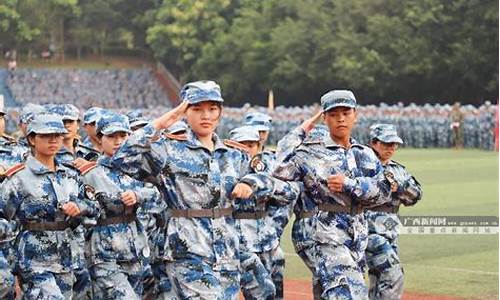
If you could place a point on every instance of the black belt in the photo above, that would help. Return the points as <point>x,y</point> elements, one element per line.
<point>385,208</point>
<point>202,213</point>
<point>125,219</point>
<point>250,215</point>
<point>47,226</point>
<point>337,208</point>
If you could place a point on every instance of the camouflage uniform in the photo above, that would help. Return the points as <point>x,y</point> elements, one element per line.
<point>339,227</point>
<point>202,255</point>
<point>305,207</point>
<point>82,287</point>
<point>32,195</point>
<point>382,255</point>
<point>278,214</point>
<point>118,243</point>
<point>257,235</point>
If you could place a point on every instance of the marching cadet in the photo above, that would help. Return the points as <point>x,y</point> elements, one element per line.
<point>118,244</point>
<point>279,214</point>
<point>340,176</point>
<point>305,208</point>
<point>69,154</point>
<point>202,259</point>
<point>382,255</point>
<point>257,235</point>
<point>45,197</point>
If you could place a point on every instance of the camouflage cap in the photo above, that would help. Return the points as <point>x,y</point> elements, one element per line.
<point>28,112</point>
<point>244,134</point>
<point>178,127</point>
<point>337,98</point>
<point>111,123</point>
<point>92,115</point>
<point>386,133</point>
<point>46,123</point>
<point>201,91</point>
<point>258,120</point>
<point>66,111</point>
<point>136,118</point>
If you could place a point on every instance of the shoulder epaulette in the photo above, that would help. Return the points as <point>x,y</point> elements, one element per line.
<point>87,167</point>
<point>236,145</point>
<point>14,169</point>
<point>397,163</point>
<point>179,137</point>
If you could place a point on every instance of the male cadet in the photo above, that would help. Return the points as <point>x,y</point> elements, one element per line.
<point>264,161</point>
<point>385,270</point>
<point>341,176</point>
<point>70,150</point>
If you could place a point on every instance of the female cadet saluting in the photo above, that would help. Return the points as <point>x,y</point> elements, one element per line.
<point>202,257</point>
<point>118,244</point>
<point>44,196</point>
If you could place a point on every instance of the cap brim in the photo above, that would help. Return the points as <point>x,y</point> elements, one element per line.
<point>196,101</point>
<point>392,139</point>
<point>261,127</point>
<point>49,131</point>
<point>332,106</point>
<point>112,129</point>
<point>138,123</point>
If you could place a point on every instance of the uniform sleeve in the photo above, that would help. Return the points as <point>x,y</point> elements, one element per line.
<point>148,195</point>
<point>372,188</point>
<point>9,203</point>
<point>289,142</point>
<point>409,190</point>
<point>89,207</point>
<point>281,186</point>
<point>140,154</point>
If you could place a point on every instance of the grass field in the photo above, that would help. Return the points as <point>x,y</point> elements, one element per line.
<point>455,183</point>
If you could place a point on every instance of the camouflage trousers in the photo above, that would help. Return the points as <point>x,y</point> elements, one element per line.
<point>7,280</point>
<point>194,278</point>
<point>385,270</point>
<point>274,262</point>
<point>162,289</point>
<point>82,289</point>
<point>307,255</point>
<point>339,271</point>
<point>47,285</point>
<point>117,280</point>
<point>256,282</point>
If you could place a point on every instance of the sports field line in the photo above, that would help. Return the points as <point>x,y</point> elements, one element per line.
<point>434,267</point>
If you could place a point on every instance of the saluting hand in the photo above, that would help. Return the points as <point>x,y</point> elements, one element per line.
<point>170,117</point>
<point>336,183</point>
<point>70,209</point>
<point>309,124</point>
<point>129,198</point>
<point>242,191</point>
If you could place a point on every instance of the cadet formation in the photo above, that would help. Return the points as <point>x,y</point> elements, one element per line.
<point>166,208</point>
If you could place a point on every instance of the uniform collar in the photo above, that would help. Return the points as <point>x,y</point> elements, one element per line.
<point>194,143</point>
<point>330,143</point>
<point>105,160</point>
<point>38,168</point>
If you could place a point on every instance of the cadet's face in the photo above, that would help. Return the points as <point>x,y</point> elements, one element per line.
<point>263,136</point>
<point>47,144</point>
<point>385,150</point>
<point>2,123</point>
<point>253,147</point>
<point>111,143</point>
<point>203,117</point>
<point>340,121</point>
<point>72,128</point>
<point>90,129</point>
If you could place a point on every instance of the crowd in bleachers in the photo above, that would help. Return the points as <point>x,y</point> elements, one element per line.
<point>420,126</point>
<point>133,88</point>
